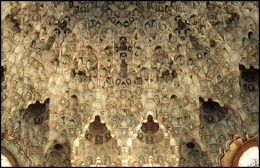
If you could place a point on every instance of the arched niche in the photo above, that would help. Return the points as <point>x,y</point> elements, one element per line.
<point>152,141</point>
<point>36,114</point>
<point>95,146</point>
<point>59,152</point>
<point>97,128</point>
<point>191,153</point>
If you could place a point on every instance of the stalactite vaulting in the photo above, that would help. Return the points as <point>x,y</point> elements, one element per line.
<point>128,83</point>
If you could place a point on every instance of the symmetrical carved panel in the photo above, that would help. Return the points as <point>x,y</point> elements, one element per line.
<point>128,83</point>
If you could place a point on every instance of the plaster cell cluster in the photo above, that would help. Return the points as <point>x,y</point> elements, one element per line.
<point>133,83</point>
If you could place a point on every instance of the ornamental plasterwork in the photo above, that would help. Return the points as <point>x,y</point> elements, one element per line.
<point>128,83</point>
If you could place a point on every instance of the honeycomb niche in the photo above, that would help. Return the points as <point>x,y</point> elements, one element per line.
<point>128,83</point>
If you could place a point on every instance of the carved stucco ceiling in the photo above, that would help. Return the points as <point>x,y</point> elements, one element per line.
<point>113,82</point>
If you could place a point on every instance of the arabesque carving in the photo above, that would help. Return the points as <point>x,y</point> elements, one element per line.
<point>127,83</point>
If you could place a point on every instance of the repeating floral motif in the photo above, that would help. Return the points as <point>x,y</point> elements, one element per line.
<point>191,66</point>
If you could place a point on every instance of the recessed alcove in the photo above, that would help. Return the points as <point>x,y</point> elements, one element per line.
<point>210,106</point>
<point>190,145</point>
<point>96,127</point>
<point>58,146</point>
<point>249,75</point>
<point>150,127</point>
